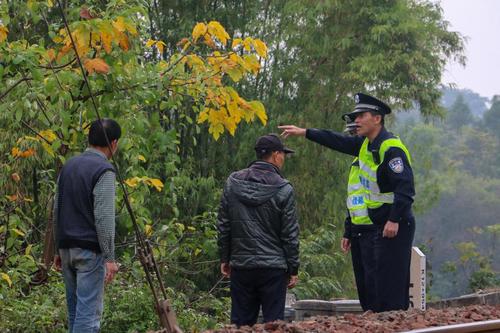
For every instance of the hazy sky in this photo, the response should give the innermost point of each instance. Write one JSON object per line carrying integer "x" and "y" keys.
{"x": 479, "y": 20}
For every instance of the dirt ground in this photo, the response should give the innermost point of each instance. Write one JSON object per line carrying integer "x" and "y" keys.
{"x": 393, "y": 321}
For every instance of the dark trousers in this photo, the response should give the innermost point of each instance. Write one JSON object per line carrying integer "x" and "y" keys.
{"x": 392, "y": 257}
{"x": 363, "y": 262}
{"x": 253, "y": 288}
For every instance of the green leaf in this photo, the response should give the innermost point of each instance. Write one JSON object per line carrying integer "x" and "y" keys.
{"x": 37, "y": 75}
{"x": 19, "y": 114}
{"x": 18, "y": 59}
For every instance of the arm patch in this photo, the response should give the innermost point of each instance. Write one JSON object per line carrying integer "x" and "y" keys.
{"x": 397, "y": 165}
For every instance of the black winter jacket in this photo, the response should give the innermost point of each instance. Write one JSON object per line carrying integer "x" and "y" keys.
{"x": 257, "y": 221}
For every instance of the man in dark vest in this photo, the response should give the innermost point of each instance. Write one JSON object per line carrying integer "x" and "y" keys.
{"x": 84, "y": 213}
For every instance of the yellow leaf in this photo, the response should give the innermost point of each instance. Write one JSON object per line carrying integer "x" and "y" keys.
{"x": 48, "y": 148}
{"x": 123, "y": 41}
{"x": 6, "y": 278}
{"x": 199, "y": 30}
{"x": 186, "y": 46}
{"x": 27, "y": 251}
{"x": 156, "y": 183}
{"x": 150, "y": 43}
{"x": 235, "y": 74}
{"x": 192, "y": 229}
{"x": 233, "y": 93}
{"x": 259, "y": 110}
{"x": 203, "y": 116}
{"x": 252, "y": 63}
{"x": 209, "y": 41}
{"x": 236, "y": 42}
{"x": 58, "y": 39}
{"x": 230, "y": 124}
{"x": 260, "y": 48}
{"x": 96, "y": 65}
{"x": 160, "y": 45}
{"x": 234, "y": 111}
{"x": 19, "y": 232}
{"x": 132, "y": 182}
{"x": 216, "y": 130}
{"x": 106, "y": 40}
{"x": 180, "y": 226}
{"x": 48, "y": 135}
{"x": 193, "y": 60}
{"x": 247, "y": 43}
{"x": 141, "y": 158}
{"x": 3, "y": 33}
{"x": 15, "y": 152}
{"x": 196, "y": 252}
{"x": 148, "y": 230}
{"x": 217, "y": 30}
{"x": 119, "y": 24}
{"x": 81, "y": 36}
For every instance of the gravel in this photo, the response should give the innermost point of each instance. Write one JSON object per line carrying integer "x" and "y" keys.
{"x": 385, "y": 322}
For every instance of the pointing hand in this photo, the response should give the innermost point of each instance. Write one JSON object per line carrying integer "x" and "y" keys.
{"x": 292, "y": 130}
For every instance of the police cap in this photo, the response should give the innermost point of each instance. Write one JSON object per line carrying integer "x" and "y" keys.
{"x": 367, "y": 103}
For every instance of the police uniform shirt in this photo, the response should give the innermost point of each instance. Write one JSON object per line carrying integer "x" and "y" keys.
{"x": 394, "y": 174}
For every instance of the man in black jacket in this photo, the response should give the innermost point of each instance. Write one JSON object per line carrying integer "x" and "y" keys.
{"x": 259, "y": 235}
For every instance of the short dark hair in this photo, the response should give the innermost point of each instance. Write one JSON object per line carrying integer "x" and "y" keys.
{"x": 96, "y": 133}
{"x": 382, "y": 118}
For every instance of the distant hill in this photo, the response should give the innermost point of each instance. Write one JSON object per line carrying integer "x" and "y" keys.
{"x": 477, "y": 103}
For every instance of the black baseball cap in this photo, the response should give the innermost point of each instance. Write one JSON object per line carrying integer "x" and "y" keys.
{"x": 269, "y": 143}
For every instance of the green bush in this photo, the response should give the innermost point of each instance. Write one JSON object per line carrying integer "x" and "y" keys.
{"x": 128, "y": 307}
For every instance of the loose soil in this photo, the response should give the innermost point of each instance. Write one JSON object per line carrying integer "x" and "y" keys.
{"x": 385, "y": 322}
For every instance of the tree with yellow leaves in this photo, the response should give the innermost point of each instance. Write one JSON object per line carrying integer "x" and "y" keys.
{"x": 48, "y": 107}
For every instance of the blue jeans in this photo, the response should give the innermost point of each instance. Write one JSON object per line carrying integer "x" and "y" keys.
{"x": 83, "y": 273}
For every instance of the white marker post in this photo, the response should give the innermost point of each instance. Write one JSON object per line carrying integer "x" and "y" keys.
{"x": 417, "y": 279}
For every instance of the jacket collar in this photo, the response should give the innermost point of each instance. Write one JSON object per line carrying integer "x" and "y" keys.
{"x": 263, "y": 165}
{"x": 381, "y": 137}
{"x": 95, "y": 151}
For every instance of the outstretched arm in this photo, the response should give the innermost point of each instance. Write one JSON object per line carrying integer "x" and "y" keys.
{"x": 333, "y": 140}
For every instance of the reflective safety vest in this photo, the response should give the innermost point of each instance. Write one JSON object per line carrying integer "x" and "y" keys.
{"x": 355, "y": 197}
{"x": 373, "y": 198}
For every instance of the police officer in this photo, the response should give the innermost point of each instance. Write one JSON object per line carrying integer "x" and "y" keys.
{"x": 359, "y": 233}
{"x": 387, "y": 181}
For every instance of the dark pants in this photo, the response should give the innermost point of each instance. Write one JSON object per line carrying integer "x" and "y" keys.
{"x": 251, "y": 288}
{"x": 392, "y": 257}
{"x": 363, "y": 262}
